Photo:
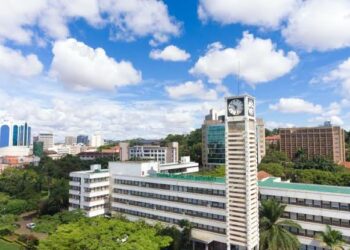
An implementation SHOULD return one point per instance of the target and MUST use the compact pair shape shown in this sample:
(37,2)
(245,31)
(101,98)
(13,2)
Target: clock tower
(241,174)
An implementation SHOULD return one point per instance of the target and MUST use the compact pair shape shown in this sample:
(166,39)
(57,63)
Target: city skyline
(160,71)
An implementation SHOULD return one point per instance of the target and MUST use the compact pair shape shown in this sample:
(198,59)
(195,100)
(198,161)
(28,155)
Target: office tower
(260,142)
(70,140)
(96,140)
(15,138)
(47,139)
(325,141)
(84,139)
(241,174)
(124,151)
(213,140)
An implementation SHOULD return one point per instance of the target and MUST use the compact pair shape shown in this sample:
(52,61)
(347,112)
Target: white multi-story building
(185,166)
(241,174)
(15,138)
(96,140)
(168,154)
(89,191)
(139,191)
(260,139)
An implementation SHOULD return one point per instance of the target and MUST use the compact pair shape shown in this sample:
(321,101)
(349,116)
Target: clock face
(235,107)
(251,108)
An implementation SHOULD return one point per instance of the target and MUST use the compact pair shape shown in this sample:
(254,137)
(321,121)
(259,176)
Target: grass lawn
(4,245)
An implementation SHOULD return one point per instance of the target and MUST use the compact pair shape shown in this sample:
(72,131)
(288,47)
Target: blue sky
(147,68)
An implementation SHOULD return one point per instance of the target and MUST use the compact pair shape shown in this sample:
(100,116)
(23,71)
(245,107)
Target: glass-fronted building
(14,134)
(216,144)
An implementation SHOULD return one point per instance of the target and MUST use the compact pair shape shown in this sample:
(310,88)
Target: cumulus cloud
(170,53)
(273,125)
(83,67)
(127,19)
(191,89)
(319,25)
(15,63)
(296,105)
(340,76)
(246,12)
(138,18)
(255,60)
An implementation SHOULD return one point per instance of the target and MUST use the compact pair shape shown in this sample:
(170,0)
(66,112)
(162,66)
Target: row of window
(169,220)
(309,202)
(75,197)
(76,179)
(91,208)
(76,188)
(171,187)
(317,219)
(96,198)
(94,180)
(172,209)
(172,198)
(96,189)
(309,233)
(73,205)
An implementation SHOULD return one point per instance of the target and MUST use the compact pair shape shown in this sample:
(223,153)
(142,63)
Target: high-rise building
(38,148)
(70,140)
(213,138)
(47,139)
(84,139)
(15,138)
(241,174)
(325,141)
(96,140)
(260,136)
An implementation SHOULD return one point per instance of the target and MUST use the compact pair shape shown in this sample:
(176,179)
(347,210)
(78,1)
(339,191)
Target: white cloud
(83,67)
(170,53)
(341,76)
(190,90)
(296,105)
(255,60)
(264,13)
(273,125)
(319,25)
(127,19)
(17,17)
(15,63)
(139,18)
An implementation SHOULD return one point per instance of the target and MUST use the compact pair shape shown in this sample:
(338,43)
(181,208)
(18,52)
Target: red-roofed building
(262,175)
(272,140)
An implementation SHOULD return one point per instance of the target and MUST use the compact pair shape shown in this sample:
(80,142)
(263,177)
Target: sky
(148,68)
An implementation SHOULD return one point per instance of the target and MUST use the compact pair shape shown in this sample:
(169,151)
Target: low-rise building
(185,166)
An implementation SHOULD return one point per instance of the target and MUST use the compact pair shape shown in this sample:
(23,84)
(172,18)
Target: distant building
(96,140)
(70,140)
(272,140)
(326,141)
(15,138)
(47,139)
(260,136)
(84,139)
(114,149)
(213,140)
(168,154)
(87,156)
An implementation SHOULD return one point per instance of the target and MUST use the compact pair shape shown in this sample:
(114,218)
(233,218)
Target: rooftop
(273,182)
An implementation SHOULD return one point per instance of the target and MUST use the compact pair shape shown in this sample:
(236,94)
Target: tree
(186,228)
(274,169)
(274,156)
(112,234)
(58,198)
(7,224)
(332,239)
(273,234)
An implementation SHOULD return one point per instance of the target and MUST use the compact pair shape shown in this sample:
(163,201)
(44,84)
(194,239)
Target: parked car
(30,225)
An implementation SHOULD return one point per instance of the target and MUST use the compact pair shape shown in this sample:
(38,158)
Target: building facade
(168,154)
(47,139)
(15,138)
(84,139)
(325,141)
(242,206)
(260,142)
(89,191)
(96,140)
(70,140)
(213,140)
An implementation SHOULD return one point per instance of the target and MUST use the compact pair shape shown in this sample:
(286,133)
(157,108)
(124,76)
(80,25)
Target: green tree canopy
(332,239)
(7,224)
(101,234)
(273,235)
(274,169)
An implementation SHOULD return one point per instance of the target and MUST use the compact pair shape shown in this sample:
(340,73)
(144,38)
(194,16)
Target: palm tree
(273,236)
(332,239)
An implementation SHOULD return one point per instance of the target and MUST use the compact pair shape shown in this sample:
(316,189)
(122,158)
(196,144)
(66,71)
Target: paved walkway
(24,220)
